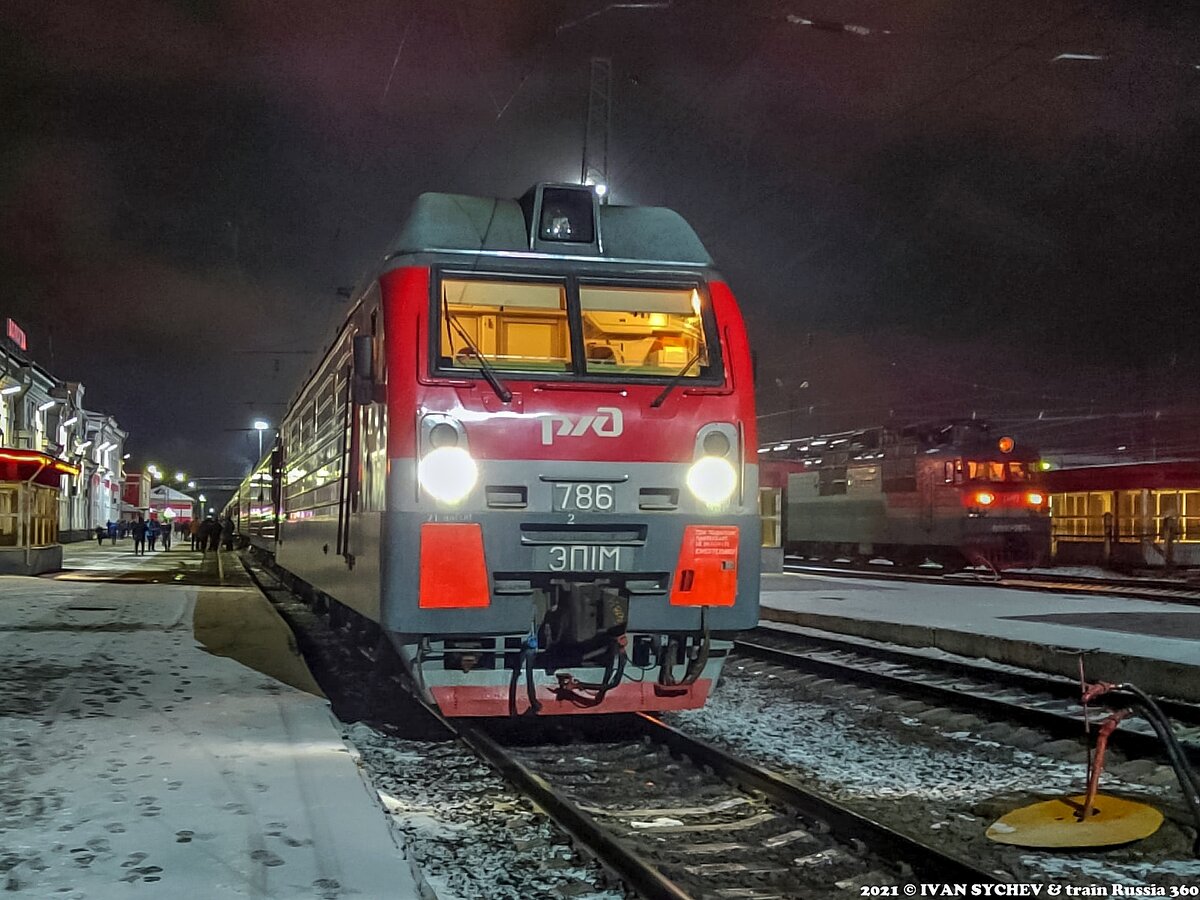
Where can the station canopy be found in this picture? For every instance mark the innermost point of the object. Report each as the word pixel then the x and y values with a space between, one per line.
pixel 26 465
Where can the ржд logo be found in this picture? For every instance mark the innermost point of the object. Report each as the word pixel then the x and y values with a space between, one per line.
pixel 607 422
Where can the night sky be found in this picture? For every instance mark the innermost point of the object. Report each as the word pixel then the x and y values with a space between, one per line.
pixel 924 215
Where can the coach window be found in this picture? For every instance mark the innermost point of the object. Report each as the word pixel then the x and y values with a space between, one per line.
pixel 643 331
pixel 518 325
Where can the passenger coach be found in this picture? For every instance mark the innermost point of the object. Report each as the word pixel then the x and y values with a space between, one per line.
pixel 529 457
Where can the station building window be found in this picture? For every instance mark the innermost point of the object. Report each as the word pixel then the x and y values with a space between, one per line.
pixel 43 515
pixel 8 516
pixel 43 521
pixel 1184 506
pixel 1079 515
pixel 1129 508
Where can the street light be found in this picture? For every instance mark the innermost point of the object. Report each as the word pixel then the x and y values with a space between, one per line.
pixel 179 476
pixel 260 425
pixel 191 485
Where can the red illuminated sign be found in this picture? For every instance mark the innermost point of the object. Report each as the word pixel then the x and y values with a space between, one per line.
pixel 16 335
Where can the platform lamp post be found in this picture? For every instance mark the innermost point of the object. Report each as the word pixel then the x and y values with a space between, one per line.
pixel 155 474
pixel 260 425
pixel 180 478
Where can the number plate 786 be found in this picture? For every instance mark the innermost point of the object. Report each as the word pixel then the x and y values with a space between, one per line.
pixel 584 496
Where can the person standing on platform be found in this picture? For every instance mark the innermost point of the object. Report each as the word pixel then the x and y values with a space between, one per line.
pixel 112 532
pixel 214 534
pixel 139 537
pixel 166 536
pixel 101 531
pixel 152 533
pixel 227 532
pixel 194 532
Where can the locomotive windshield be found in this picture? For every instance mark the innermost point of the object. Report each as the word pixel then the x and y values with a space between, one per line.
pixel 643 331
pixel 524 325
pixel 995 470
pixel 514 325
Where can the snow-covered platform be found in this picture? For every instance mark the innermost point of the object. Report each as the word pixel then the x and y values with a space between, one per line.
pixel 1155 645
pixel 129 755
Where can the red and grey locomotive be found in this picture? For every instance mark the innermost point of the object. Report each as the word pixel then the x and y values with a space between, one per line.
pixel 529 457
pixel 947 492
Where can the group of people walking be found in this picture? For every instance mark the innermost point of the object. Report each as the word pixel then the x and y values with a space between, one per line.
pixel 207 534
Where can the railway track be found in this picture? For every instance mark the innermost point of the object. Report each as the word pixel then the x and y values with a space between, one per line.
pixel 1042 701
pixel 676 817
pixel 1173 592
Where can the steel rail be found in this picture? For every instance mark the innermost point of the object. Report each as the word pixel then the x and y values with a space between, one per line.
pixel 1182 594
pixel 605 847
pixel 1058 724
pixel 845 823
pixel 1035 682
pixel 641 875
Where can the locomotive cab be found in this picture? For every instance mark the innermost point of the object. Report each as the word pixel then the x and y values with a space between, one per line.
pixel 570 519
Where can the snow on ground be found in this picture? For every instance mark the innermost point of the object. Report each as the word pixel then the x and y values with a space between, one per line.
pixel 829 742
pixel 129 756
pixel 470 833
pixel 951 781
pixel 996 612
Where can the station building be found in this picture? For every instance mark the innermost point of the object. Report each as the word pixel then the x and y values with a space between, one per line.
pixel 1127 515
pixel 60 463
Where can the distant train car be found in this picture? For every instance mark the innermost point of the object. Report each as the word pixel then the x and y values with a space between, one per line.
pixel 529 457
pixel 949 493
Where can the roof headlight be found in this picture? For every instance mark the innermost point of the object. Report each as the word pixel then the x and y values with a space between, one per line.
pixel 712 479
pixel 448 474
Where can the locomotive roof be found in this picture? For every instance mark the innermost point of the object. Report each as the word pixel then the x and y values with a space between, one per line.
pixel 958 435
pixel 490 225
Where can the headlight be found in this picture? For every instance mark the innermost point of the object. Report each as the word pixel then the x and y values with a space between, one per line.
pixel 712 479
pixel 447 473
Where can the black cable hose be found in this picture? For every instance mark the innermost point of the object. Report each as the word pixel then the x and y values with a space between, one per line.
pixel 535 706
pixel 665 675
pixel 696 668
pixel 614 670
pixel 1152 713
pixel 1183 771
pixel 512 685
pixel 617 657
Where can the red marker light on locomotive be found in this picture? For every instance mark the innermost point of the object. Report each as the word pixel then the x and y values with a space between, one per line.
pixel 1034 498
pixel 1006 444
pixel 985 498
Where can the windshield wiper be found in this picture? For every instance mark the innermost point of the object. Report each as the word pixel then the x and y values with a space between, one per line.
pixel 675 379
pixel 485 367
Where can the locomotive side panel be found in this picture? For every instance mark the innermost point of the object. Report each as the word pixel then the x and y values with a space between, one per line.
pixel 947 491
pixel 326 535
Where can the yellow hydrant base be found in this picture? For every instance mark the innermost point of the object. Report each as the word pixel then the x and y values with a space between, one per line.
pixel 1057 823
